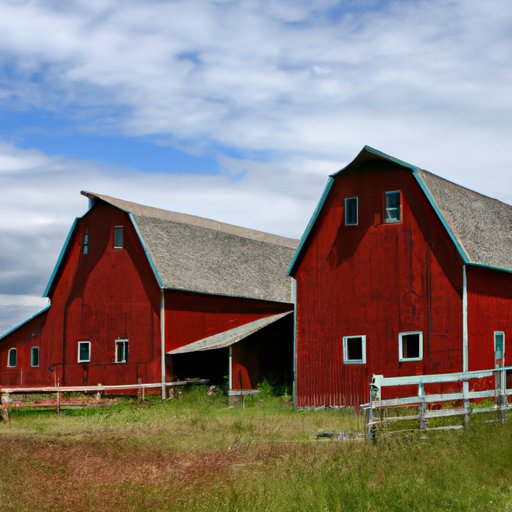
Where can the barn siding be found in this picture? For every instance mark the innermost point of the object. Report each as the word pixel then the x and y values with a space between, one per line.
pixel 192 316
pixel 377 280
pixel 99 297
pixel 489 310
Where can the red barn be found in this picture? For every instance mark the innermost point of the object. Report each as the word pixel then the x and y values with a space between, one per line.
pixel 141 294
pixel 400 272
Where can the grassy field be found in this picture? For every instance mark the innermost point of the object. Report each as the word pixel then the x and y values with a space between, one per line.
pixel 196 454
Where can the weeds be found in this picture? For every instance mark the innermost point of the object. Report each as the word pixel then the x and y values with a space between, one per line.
pixel 195 453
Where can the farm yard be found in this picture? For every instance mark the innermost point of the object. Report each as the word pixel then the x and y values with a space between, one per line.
pixel 196 453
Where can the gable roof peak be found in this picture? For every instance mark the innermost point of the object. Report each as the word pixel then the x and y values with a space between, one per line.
pixel 141 210
pixel 479 226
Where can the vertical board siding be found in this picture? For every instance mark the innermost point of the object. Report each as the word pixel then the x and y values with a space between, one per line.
pixel 100 296
pixel 489 310
pixel 194 316
pixel 377 280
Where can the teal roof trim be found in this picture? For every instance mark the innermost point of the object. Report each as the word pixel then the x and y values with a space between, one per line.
pixel 311 223
pixel 10 331
pixel 146 250
pixel 442 218
pixel 61 257
pixel 379 154
pixel 362 156
pixel 390 158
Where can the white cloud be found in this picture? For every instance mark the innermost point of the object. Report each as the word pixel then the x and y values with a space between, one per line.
pixel 278 76
pixel 44 197
pixel 295 88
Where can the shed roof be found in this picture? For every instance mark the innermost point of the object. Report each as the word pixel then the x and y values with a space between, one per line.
pixel 205 256
pixel 479 226
pixel 230 337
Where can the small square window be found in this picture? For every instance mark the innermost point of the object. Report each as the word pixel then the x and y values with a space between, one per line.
pixel 393 211
pixel 12 357
pixel 354 349
pixel 351 211
pixel 34 357
pixel 84 351
pixel 118 237
pixel 121 351
pixel 410 346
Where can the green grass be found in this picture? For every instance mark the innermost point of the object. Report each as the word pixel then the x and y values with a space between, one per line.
pixel 197 454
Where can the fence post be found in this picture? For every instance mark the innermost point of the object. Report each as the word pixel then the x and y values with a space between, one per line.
pixel 370 417
pixel 57 401
pixel 422 406
pixel 467 402
pixel 4 407
pixel 501 393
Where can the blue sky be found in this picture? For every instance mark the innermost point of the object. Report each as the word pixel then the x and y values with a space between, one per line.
pixel 234 110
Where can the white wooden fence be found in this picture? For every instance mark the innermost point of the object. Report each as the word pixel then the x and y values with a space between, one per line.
pixel 446 402
pixel 6 392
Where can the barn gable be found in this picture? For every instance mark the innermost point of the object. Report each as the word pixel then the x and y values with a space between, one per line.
pixel 479 226
pixel 205 256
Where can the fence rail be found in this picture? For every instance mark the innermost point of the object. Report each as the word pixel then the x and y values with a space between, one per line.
pixel 7 403
pixel 375 408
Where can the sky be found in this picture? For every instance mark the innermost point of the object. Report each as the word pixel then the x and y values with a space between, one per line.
pixel 234 110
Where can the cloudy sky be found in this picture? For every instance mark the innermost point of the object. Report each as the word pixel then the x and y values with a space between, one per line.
pixel 234 110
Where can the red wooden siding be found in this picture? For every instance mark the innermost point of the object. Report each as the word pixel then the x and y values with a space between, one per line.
pixel 489 310
pixel 190 317
pixel 100 296
pixel 377 280
pixel 23 339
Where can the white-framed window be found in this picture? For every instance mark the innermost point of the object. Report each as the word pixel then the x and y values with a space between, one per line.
pixel 118 237
pixel 34 357
pixel 351 211
pixel 393 207
pixel 84 352
pixel 410 346
pixel 85 244
pixel 121 351
pixel 354 349
pixel 12 357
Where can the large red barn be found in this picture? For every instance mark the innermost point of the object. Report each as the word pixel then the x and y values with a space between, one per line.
pixel 400 272
pixel 141 294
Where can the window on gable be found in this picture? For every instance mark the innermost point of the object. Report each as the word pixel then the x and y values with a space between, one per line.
pixel 85 244
pixel 354 349
pixel 84 352
pixel 410 346
pixel 12 357
pixel 122 351
pixel 118 237
pixel 351 211
pixel 34 356
pixel 393 209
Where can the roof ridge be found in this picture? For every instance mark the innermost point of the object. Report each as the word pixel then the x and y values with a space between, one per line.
pixel 141 210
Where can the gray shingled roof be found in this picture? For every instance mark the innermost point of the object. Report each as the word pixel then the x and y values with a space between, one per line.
pixel 201 255
pixel 482 225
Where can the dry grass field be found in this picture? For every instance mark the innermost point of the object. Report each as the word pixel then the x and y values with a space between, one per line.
pixel 195 453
